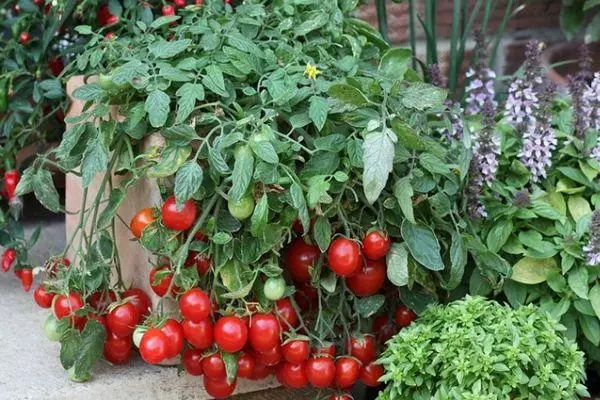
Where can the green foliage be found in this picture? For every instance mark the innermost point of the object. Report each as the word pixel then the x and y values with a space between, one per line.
pixel 479 349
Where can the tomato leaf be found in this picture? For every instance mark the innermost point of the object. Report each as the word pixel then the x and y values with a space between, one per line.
pixel 260 217
pixel 378 159
pixel 81 350
pixel 369 306
pixel 243 169
pixel 187 181
pixel 322 233
pixel 403 191
pixel 397 264
pixel 423 245
pixel 231 365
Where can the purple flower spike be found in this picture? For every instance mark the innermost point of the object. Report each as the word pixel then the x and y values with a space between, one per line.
pixel 592 249
pixel 480 89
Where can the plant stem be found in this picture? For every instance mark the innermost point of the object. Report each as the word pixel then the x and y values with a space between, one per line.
pixel 507 15
pixel 455 63
pixel 412 31
pixel 382 18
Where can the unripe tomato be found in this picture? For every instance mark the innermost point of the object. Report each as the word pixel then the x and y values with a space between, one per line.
pixel 200 334
pixel 320 371
pixel 404 316
pixel 231 334
pixel 368 279
pixel 219 388
pixel 117 350
pixel 299 257
pixel 122 319
pixel 51 328
pixel 376 245
pixel 174 333
pixel 154 346
pixel 179 219
pixel 264 332
pixel 344 256
pixel 274 288
pixel 370 374
pixel 192 362
pixel 42 297
pixel 241 209
pixel 347 372
pixel 195 305
pixel 142 219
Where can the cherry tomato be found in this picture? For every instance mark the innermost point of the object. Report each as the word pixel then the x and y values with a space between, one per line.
pixel 368 279
pixel 117 350
pixel 100 300
pixel 347 372
pixel 145 216
pixel 214 366
pixel 296 351
pixel 299 257
pixel 195 305
pixel 261 370
pixel 299 229
pixel 320 371
pixel 344 256
pixel 26 277
pixel 305 296
pixel 179 3
pixel 241 209
pixel 174 333
pixel 104 16
pixel 179 219
pixel 293 375
pixel 370 374
pixel 154 346
pixel 162 286
pixel 192 361
pixel 56 65
pixel 168 10
pixel 328 349
pixel 122 319
pixel 264 332
pixel 384 328
pixel 11 180
pixel 274 288
pixel 362 348
pixel 404 316
pixel 51 328
pixel 270 357
pixel 139 299
pixel 246 364
pixel 42 297
pixel 286 314
pixel 199 334
pixel 231 334
pixel 201 261
pixel 66 305
pixel 220 388
pixel 376 245
pixel 8 258
pixel 24 38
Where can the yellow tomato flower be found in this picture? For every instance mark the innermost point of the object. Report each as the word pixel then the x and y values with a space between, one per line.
pixel 311 71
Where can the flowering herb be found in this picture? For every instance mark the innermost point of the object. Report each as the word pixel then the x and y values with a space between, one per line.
pixel 480 89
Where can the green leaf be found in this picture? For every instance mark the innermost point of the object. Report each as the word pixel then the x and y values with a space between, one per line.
pixel 394 63
pixel 423 245
pixel 187 181
pixel 421 96
pixel 221 238
pixel 407 136
pixel 571 20
pixel 115 199
pixel 90 91
pixel 188 94
pixel 168 49
pixel 157 106
pixel 44 190
pixel 243 169
pixel 163 20
pixel 260 217
pixel 591 328
pixel 499 234
pixel 214 81
pixel 578 282
pixel 81 350
pixel 397 264
pixel 532 271
pixel 458 261
pixel 314 21
pixel 378 160
pixel 172 158
pixel 348 94
pixel 318 111
pixel 179 135
pixel 25 184
pixel 322 233
pixel 265 151
pixel 592 33
pixel 369 306
pixel 578 207
pixel 404 192
pixel 231 365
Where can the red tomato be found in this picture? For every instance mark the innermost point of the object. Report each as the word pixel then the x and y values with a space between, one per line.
pixel 296 351
pixel 347 372
pixel 270 357
pixel 214 367
pixel 56 65
pixel 162 286
pixel 362 348
pixel 8 258
pixel 139 299
pixel 100 300
pixel 246 365
pixel 201 236
pixel 219 389
pixel 376 245
pixel 370 374
pixel 117 350
pixel 287 315
pixel 344 256
pixel 202 262
pixel 192 361
pixel 340 397
pixel 195 305
pixel 122 319
pixel 154 346
pixel 174 218
pixel 368 279
pixel 200 334
pixel 299 229
pixel 24 38
pixel 26 277
pixel 42 297
pixel 174 333
pixel 168 10
pixel 104 16
pixel 231 334
pixel 293 375
pixel 261 370
pixel 141 220
pixel 299 257
pixel 384 328
pixel 305 296
pixel 404 316
pixel 179 3
pixel 264 332
pixel 327 349
pixel 320 371
pixel 66 305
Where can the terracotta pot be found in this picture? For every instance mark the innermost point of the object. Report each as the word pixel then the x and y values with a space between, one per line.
pixel 566 51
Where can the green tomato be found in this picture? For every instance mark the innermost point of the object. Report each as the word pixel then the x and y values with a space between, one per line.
pixel 241 209
pixel 274 288
pixel 78 378
pixel 105 81
pixel 138 333
pixel 51 328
